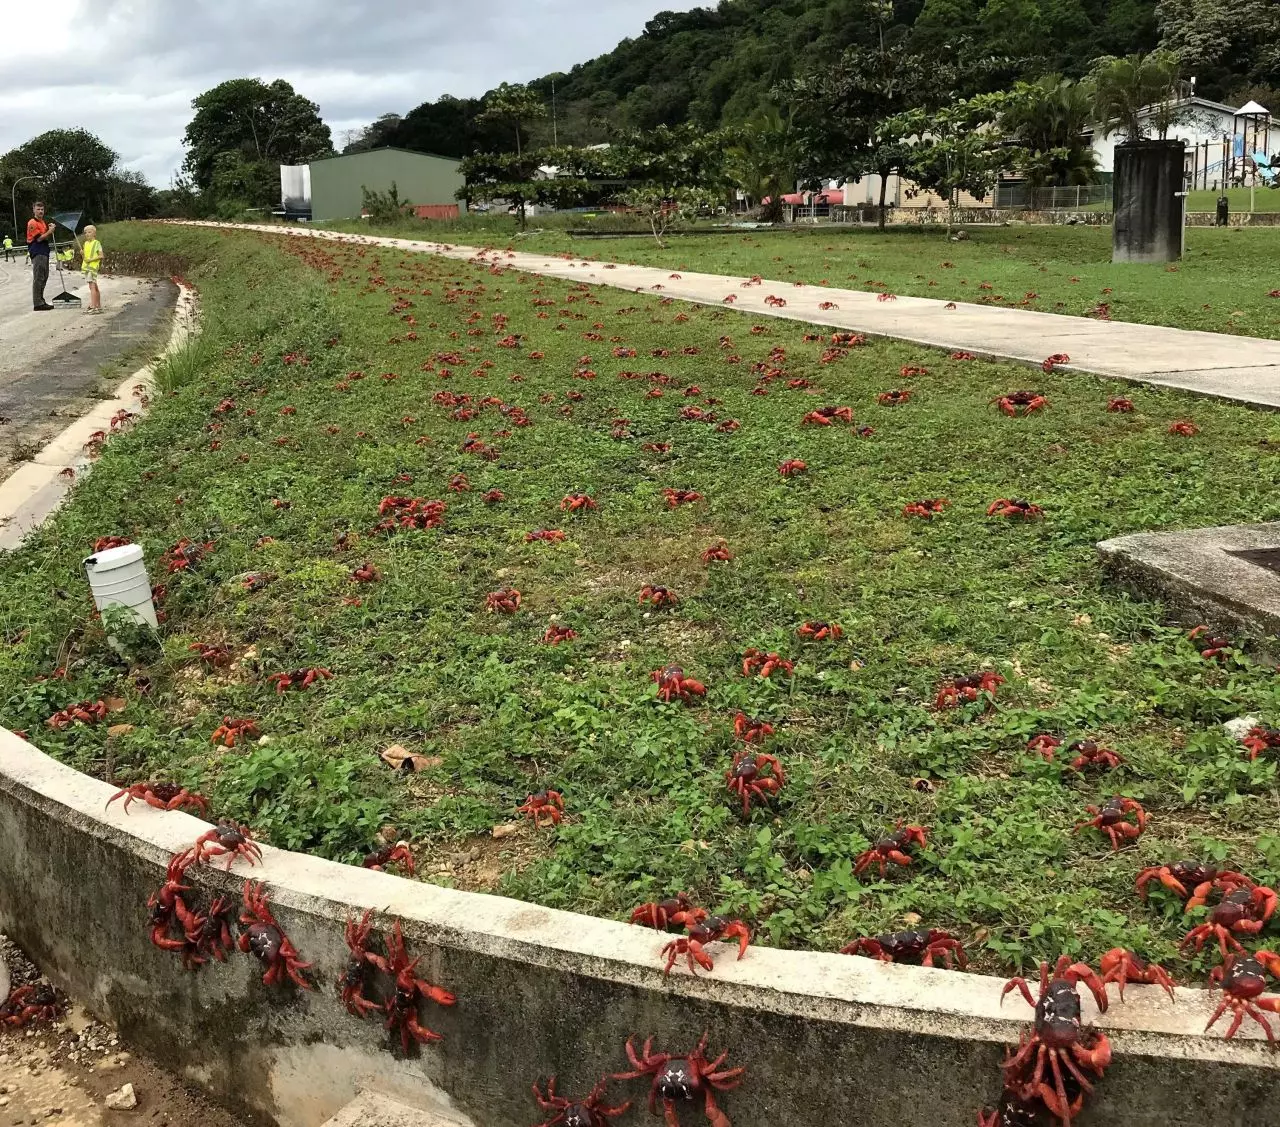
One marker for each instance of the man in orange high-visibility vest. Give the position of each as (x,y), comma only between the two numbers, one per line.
(38,235)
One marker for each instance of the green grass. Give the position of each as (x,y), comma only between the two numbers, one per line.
(421,663)
(1238,199)
(1221,286)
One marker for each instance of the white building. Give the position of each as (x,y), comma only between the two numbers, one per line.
(1221,140)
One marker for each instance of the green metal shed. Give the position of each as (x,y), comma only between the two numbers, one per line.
(423,179)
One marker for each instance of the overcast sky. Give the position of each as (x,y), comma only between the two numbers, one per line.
(128,69)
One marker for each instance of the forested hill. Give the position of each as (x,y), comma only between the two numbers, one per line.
(718,65)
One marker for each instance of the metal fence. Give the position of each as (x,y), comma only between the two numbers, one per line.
(1011,194)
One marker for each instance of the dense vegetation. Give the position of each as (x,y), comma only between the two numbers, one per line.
(334,376)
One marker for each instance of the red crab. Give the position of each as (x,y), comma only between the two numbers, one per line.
(1058,1042)
(591,1112)
(213,655)
(658,596)
(163,796)
(1183,427)
(1053,361)
(1121,966)
(493,497)
(503,601)
(1089,753)
(677,497)
(1211,648)
(1112,819)
(207,935)
(683,1079)
(185,554)
(402,1007)
(1243,982)
(1119,405)
(892,847)
(105,543)
(718,552)
(26,1004)
(265,940)
(791,467)
(225,839)
(967,688)
(550,535)
(757,662)
(755,778)
(366,573)
(1177,876)
(545,808)
(555,634)
(1244,908)
(166,903)
(85,712)
(673,684)
(926,509)
(895,397)
(1006,507)
(351,984)
(230,731)
(1259,739)
(663,914)
(399,853)
(575,501)
(821,631)
(698,933)
(920,947)
(751,731)
(299,679)
(1044,745)
(1021,403)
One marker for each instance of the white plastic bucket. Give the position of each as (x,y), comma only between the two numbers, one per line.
(118,578)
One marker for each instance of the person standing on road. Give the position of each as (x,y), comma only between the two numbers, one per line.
(38,235)
(8,247)
(91,263)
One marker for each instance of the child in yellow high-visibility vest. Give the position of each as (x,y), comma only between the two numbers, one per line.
(91,263)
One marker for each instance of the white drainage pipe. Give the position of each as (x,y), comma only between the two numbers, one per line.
(118,578)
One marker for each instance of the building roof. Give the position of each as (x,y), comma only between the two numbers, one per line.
(384,149)
(1252,109)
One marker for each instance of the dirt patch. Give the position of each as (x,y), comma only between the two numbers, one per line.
(61,1073)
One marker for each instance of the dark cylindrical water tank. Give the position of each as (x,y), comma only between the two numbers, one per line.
(1148,208)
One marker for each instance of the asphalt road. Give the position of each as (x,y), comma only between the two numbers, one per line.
(52,364)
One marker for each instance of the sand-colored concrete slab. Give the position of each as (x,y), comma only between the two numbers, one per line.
(1177,358)
(372,1110)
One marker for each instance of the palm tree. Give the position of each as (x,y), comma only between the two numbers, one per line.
(1049,119)
(1124,87)
(765,160)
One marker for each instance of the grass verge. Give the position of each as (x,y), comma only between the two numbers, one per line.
(336,377)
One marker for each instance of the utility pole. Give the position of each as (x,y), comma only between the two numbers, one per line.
(555,136)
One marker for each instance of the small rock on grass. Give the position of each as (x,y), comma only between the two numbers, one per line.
(1239,726)
(122,1100)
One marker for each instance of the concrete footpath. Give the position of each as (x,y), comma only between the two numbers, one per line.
(1243,369)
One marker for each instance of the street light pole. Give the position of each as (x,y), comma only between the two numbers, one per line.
(13,200)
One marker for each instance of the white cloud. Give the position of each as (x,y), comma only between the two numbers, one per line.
(128,69)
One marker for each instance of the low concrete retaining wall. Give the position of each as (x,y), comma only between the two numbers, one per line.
(827,1040)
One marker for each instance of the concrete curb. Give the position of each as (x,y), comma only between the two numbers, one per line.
(1238,369)
(826,1039)
(37,487)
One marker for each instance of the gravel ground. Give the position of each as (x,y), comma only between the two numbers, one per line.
(63,1073)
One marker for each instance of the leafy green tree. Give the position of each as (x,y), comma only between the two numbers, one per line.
(661,209)
(264,122)
(1049,118)
(513,106)
(1230,45)
(72,169)
(958,148)
(1124,87)
(376,135)
(765,162)
(516,178)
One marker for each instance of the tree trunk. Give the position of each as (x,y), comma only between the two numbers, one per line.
(884,191)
